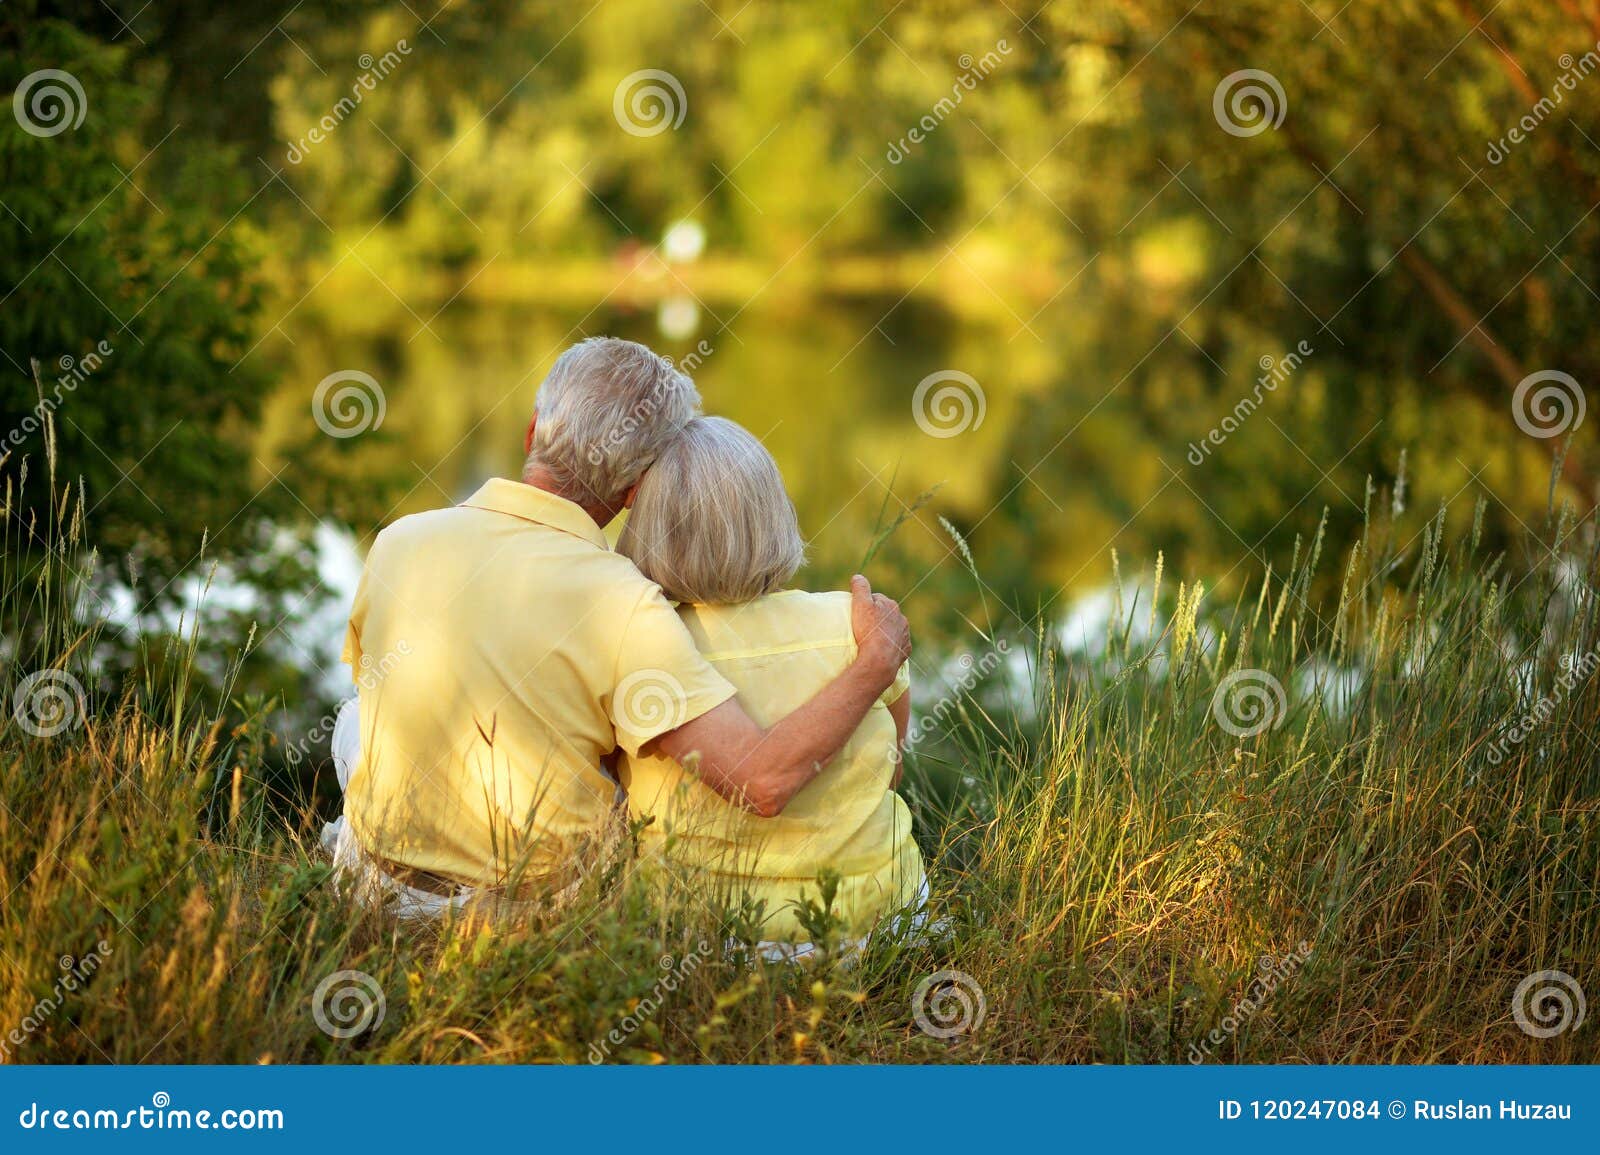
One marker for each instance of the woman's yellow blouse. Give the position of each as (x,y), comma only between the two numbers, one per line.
(779,651)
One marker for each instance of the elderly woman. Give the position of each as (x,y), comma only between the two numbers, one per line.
(713,526)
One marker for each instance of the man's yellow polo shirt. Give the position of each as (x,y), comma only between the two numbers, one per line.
(500,649)
(779,651)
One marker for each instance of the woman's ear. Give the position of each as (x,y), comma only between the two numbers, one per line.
(632,495)
(527,442)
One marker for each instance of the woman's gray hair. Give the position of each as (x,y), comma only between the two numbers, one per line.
(605,412)
(712,522)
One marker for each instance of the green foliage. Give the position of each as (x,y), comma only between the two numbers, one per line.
(132,282)
(97,265)
(1079,233)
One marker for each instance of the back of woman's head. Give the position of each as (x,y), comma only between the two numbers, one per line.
(712,522)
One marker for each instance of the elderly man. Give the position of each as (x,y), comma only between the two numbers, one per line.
(507,650)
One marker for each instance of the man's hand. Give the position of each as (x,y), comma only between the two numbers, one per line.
(762,769)
(883,636)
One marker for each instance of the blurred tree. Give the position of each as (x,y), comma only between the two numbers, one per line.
(136,305)
(137,297)
(1117,259)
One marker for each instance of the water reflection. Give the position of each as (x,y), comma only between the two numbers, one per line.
(1088,416)
(678,317)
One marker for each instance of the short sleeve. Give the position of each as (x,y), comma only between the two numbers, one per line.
(351,653)
(662,681)
(897,688)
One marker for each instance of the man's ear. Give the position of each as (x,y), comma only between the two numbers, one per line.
(527,442)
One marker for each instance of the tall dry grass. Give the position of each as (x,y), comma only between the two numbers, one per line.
(1112,862)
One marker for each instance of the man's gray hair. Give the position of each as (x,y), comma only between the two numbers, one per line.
(606,410)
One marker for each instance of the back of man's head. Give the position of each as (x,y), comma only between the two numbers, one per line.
(604,413)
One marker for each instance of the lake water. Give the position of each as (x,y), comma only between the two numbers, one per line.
(1045,444)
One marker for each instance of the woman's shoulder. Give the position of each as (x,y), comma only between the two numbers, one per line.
(789,619)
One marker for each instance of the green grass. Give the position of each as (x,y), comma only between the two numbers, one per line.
(1111,860)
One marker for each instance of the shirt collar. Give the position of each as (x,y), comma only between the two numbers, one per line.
(537,505)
